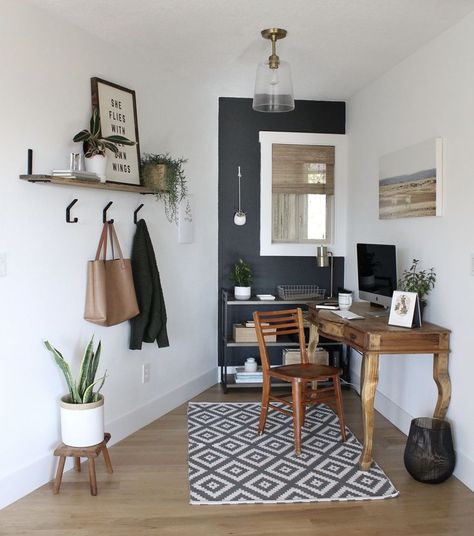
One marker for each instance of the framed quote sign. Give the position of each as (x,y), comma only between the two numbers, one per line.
(118,115)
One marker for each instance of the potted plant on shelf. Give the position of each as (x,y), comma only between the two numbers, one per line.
(82,410)
(421,281)
(165,176)
(94,145)
(242,276)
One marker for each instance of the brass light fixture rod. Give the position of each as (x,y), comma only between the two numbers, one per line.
(274,34)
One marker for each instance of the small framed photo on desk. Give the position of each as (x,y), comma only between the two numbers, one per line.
(405,310)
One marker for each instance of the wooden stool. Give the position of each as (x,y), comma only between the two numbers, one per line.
(85,452)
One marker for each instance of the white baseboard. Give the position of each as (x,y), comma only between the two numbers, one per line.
(33,475)
(131,422)
(464,470)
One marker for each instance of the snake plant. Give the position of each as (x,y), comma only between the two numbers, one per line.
(81,392)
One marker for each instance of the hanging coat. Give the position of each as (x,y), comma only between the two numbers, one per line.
(150,324)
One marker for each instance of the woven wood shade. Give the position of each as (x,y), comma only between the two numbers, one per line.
(303,169)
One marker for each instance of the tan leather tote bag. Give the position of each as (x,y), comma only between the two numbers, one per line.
(110,294)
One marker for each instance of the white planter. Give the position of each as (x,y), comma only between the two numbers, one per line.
(240,218)
(97,164)
(242,293)
(82,425)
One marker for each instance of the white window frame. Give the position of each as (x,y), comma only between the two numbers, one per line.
(337,218)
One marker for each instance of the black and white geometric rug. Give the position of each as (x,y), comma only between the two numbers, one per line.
(230,464)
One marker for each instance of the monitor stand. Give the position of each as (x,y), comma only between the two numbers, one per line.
(378,310)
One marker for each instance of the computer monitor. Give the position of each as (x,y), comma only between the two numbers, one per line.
(377,273)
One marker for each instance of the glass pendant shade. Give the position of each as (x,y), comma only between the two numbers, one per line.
(273,88)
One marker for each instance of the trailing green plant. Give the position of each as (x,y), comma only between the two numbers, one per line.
(421,281)
(92,141)
(175,182)
(81,392)
(241,274)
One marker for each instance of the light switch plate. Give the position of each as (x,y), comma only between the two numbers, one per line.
(146,371)
(3,264)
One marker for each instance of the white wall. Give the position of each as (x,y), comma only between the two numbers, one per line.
(429,94)
(45,91)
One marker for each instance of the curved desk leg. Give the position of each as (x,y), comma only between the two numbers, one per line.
(443,382)
(370,374)
(313,340)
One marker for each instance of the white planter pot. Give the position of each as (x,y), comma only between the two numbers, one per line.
(242,293)
(240,218)
(82,425)
(97,164)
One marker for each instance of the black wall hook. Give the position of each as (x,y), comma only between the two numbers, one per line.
(68,212)
(104,213)
(135,213)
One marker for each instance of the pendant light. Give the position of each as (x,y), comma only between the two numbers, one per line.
(273,86)
(240,217)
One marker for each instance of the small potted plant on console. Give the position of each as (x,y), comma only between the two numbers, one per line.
(242,277)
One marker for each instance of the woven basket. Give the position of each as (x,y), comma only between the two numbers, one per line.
(154,176)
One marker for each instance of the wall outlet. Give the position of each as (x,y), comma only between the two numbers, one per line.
(146,371)
(472,264)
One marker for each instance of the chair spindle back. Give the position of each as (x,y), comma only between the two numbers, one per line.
(285,322)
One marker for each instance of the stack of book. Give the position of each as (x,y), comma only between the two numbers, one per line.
(241,376)
(331,304)
(78,175)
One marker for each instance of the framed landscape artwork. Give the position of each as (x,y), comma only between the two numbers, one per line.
(410,181)
(118,115)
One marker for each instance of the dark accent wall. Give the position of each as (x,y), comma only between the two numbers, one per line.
(239,128)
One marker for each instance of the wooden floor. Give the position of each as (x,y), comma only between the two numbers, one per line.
(148,494)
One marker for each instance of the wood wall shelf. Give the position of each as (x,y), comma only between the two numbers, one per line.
(49,179)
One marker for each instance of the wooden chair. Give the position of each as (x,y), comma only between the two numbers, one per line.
(289,322)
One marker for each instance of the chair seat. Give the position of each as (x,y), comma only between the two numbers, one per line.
(305,371)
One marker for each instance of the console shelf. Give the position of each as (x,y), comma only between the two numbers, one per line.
(232,353)
(49,179)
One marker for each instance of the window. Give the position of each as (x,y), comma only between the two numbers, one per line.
(298,187)
(302,190)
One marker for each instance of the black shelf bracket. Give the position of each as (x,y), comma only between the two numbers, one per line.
(68,212)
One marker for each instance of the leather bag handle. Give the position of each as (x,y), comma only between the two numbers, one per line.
(102,244)
(114,242)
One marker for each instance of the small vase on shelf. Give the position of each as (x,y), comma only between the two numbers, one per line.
(250,365)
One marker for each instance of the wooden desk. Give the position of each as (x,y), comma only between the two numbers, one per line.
(373,336)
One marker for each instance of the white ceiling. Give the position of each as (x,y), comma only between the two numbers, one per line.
(334,47)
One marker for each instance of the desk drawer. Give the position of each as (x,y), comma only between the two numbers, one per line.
(353,336)
(331,328)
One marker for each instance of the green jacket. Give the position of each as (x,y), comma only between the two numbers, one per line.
(150,324)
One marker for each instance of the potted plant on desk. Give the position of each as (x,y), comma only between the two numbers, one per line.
(421,282)
(242,277)
(82,410)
